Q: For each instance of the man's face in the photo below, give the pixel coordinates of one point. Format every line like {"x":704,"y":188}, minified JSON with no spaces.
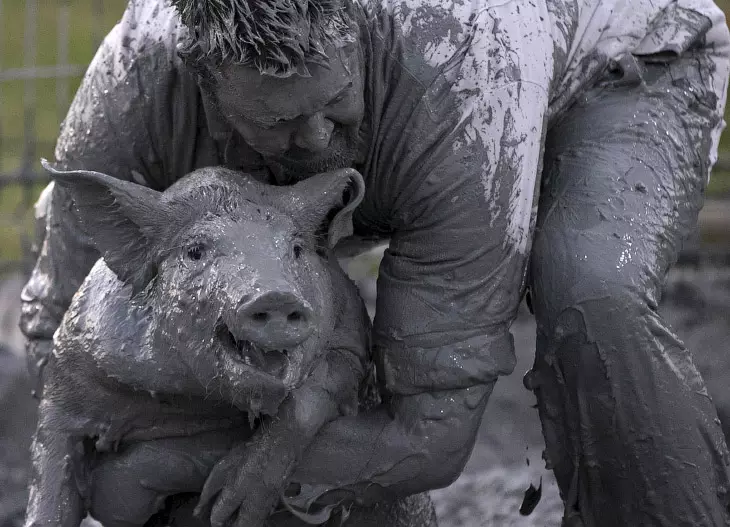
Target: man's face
{"x":305,"y":125}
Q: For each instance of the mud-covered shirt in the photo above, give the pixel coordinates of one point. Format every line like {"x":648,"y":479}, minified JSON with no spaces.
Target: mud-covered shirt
{"x":459,"y":96}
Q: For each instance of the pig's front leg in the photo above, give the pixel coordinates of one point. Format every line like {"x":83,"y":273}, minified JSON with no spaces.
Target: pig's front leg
{"x":54,"y":499}
{"x":248,"y":483}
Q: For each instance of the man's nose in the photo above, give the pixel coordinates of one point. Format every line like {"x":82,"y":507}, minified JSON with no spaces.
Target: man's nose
{"x":315,"y":133}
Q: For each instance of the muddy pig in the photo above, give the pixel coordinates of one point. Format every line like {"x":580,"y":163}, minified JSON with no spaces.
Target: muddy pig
{"x":216,"y":305}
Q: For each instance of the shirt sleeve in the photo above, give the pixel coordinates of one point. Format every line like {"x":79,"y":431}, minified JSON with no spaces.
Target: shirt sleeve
{"x":453,"y":180}
{"x":114,"y":125}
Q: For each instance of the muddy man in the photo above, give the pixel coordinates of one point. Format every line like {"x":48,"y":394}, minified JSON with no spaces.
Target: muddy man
{"x":556,"y":147}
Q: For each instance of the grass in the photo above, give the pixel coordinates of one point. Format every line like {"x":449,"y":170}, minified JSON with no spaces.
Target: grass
{"x":89,"y":21}
{"x":86,"y":26}
{"x":720,"y":182}
{"x":16,"y":219}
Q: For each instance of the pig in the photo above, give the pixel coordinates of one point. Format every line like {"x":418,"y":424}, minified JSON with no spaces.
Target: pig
{"x":217,"y":305}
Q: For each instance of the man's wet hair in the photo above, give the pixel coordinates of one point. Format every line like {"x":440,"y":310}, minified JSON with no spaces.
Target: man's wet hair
{"x":278,"y":37}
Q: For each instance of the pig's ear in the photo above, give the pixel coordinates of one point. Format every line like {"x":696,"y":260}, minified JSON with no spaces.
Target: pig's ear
{"x":330,"y":199}
{"x":122,"y":219}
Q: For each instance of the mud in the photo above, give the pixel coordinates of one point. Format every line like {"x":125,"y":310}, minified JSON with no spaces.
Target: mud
{"x":491,"y":489}
{"x":438,"y":151}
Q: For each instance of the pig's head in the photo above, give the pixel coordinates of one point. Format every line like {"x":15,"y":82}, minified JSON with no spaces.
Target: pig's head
{"x":235,"y":271}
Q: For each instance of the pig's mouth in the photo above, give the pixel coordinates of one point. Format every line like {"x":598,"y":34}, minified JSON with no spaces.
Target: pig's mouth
{"x":272,"y":362}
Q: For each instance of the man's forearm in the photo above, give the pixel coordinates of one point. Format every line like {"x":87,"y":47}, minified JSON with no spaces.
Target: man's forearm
{"x":416,"y":443}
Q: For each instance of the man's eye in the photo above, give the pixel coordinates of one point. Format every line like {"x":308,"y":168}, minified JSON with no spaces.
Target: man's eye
{"x":196,"y":252}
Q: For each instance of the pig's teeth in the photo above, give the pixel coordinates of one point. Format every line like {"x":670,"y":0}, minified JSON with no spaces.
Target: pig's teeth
{"x":243,"y":346}
{"x":257,"y":355}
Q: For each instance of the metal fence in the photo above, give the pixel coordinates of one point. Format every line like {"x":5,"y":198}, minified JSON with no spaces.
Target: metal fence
{"x":25,"y":80}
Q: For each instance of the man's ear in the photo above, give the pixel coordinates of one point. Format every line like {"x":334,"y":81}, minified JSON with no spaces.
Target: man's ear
{"x":330,"y":199}
{"x":123,"y":219}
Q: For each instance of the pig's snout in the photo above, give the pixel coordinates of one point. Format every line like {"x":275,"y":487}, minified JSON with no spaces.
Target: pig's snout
{"x":275,"y":320}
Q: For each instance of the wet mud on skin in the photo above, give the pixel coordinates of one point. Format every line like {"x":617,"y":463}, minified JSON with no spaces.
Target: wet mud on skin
{"x":492,"y":487}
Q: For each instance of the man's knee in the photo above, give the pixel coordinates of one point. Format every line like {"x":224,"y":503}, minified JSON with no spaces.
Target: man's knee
{"x":593,"y":317}
{"x":580,"y":280}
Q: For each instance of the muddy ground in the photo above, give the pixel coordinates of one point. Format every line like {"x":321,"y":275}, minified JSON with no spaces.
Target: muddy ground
{"x":507,"y":456}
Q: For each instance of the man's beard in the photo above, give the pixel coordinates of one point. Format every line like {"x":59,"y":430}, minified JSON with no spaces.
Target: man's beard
{"x":298,"y":164}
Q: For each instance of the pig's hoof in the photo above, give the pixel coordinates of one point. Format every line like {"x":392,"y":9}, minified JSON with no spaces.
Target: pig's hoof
{"x":244,"y":487}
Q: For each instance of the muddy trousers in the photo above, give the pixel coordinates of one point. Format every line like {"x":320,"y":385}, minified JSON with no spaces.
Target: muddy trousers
{"x":630,"y":431}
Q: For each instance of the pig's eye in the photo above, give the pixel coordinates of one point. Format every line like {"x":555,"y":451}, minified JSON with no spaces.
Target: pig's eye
{"x":196,"y":252}
{"x":297,"y":251}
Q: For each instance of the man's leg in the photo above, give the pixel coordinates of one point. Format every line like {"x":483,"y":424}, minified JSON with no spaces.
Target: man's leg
{"x":631,"y":432}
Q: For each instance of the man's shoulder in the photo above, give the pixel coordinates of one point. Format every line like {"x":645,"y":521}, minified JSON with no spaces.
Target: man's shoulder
{"x":151,"y":23}
{"x":150,"y":126}
{"x":149,"y":30}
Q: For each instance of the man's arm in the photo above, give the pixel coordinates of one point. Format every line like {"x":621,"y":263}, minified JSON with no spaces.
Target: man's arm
{"x":114,"y":125}
{"x":410,"y":445}
{"x":460,"y":206}
{"x":448,"y":289}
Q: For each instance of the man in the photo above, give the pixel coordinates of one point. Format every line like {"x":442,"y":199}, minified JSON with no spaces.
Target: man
{"x":580,"y":133}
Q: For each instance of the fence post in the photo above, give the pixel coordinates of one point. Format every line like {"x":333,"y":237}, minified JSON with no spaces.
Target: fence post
{"x":2,"y":50}
{"x":62,"y":59}
{"x":30,"y":49}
